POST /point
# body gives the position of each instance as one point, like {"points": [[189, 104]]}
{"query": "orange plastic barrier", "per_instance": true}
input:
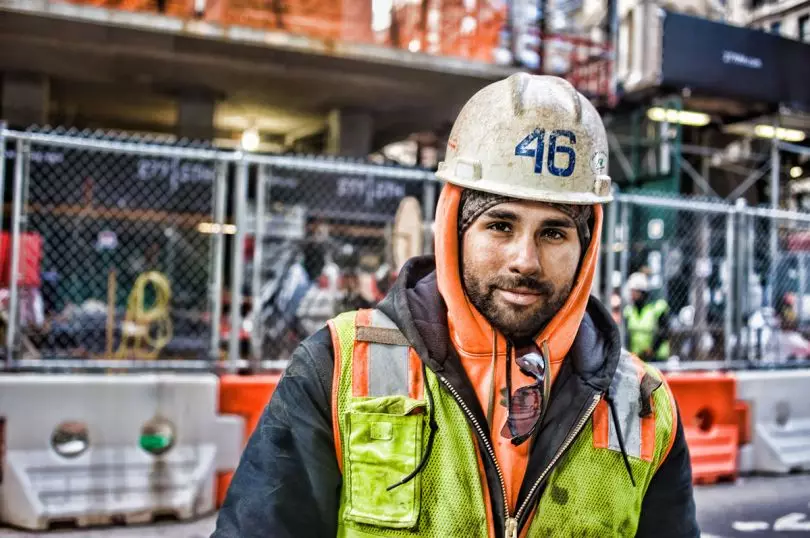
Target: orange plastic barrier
{"points": [[246, 396], [708, 407], [743, 412]]}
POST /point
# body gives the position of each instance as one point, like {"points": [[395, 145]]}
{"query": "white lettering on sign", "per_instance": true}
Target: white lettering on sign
{"points": [[47, 157], [176, 172], [369, 189], [738, 58]]}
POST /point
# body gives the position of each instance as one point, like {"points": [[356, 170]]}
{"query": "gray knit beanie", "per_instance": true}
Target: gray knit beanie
{"points": [[474, 203]]}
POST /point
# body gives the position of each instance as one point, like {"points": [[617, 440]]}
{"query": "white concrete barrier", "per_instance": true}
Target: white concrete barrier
{"points": [[101, 449], [780, 413]]}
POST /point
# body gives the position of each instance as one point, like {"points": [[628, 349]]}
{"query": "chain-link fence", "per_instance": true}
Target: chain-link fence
{"points": [[721, 282], [132, 253]]}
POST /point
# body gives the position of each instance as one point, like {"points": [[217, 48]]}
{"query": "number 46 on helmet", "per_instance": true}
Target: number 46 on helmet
{"points": [[532, 137]]}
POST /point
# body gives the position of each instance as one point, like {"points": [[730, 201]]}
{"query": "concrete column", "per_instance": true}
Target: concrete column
{"points": [[26, 99], [349, 133], [195, 116]]}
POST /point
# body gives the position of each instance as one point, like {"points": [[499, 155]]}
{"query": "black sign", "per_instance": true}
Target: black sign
{"points": [[342, 196], [74, 177], [728, 61]]}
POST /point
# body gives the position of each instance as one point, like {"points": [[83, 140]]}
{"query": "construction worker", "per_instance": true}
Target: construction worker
{"points": [[646, 321], [487, 395]]}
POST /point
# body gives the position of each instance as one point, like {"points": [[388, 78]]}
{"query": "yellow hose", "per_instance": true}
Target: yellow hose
{"points": [[146, 332]]}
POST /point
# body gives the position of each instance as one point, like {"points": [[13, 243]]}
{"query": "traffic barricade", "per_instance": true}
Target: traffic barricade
{"points": [[780, 418], [96, 450], [707, 405], [246, 396]]}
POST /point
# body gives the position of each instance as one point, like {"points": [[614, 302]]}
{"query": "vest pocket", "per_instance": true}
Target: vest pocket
{"points": [[384, 444]]}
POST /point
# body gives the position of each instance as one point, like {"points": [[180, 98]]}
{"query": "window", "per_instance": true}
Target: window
{"points": [[776, 28], [804, 28]]}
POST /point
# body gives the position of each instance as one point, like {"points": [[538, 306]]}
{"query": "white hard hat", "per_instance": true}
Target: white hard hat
{"points": [[638, 281], [532, 137]]}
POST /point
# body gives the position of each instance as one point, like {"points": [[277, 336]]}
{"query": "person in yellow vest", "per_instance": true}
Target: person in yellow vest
{"points": [[488, 394], [646, 321]]}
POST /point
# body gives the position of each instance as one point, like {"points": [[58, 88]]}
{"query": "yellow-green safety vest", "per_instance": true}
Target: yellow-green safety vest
{"points": [[381, 421], [641, 326]]}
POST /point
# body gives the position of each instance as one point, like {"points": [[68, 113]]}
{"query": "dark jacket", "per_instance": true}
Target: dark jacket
{"points": [[288, 482]]}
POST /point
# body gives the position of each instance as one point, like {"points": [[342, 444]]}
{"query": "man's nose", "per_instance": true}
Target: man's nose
{"points": [[524, 256]]}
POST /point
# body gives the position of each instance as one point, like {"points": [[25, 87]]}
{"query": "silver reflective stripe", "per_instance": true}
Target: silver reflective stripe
{"points": [[387, 365], [625, 390]]}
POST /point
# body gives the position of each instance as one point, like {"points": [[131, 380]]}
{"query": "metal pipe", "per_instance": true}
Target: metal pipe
{"points": [[740, 263], [2, 170], [237, 263], [624, 261], [218, 252], [730, 341], [751, 237], [776, 166], [749, 181], [120, 147], [610, 250], [23, 152], [256, 332], [673, 203], [428, 210], [801, 260]]}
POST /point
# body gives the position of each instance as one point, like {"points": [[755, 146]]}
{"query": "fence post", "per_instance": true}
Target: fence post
{"points": [[776, 166], [218, 252], [237, 262], [256, 334], [742, 270], [2, 200], [730, 335], [428, 207], [2, 169], [17, 217], [610, 252], [624, 261]]}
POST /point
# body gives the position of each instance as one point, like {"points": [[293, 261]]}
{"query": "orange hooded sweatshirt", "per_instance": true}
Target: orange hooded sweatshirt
{"points": [[479, 344]]}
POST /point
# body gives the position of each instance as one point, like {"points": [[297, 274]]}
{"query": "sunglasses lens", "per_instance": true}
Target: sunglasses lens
{"points": [[525, 407]]}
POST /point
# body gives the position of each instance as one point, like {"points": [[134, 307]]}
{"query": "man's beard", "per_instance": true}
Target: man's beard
{"points": [[516, 322]]}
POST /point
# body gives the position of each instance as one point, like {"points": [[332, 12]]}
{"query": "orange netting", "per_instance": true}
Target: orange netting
{"points": [[440, 27]]}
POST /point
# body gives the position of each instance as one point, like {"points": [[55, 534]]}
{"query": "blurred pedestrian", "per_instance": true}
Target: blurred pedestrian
{"points": [[646, 321]]}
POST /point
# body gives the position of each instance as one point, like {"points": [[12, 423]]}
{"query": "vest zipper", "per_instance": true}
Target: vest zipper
{"points": [[568, 440], [510, 523]]}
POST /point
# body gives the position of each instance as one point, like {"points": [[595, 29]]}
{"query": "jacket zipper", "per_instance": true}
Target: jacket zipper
{"points": [[511, 523], [568, 440]]}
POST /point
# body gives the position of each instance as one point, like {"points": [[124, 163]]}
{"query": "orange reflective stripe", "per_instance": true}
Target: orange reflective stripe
{"points": [[336, 371], [360, 357], [647, 423], [674, 421], [601, 428], [415, 381]]}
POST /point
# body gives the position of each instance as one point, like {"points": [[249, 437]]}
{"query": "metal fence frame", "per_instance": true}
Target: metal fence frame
{"points": [[737, 215]]}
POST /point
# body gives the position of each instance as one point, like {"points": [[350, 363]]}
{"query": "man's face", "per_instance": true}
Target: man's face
{"points": [[637, 295], [519, 263]]}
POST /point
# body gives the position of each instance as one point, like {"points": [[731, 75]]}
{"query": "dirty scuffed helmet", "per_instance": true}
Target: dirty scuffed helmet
{"points": [[531, 137]]}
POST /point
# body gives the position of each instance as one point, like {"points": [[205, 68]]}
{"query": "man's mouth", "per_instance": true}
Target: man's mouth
{"points": [[520, 296]]}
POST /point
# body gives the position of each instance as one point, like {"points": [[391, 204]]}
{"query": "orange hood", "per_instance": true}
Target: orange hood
{"points": [[471, 333]]}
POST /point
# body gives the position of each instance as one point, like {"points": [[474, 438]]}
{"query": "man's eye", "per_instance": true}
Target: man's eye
{"points": [[499, 227], [554, 235]]}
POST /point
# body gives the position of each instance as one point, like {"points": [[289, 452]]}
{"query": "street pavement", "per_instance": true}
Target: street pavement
{"points": [[756, 507]]}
